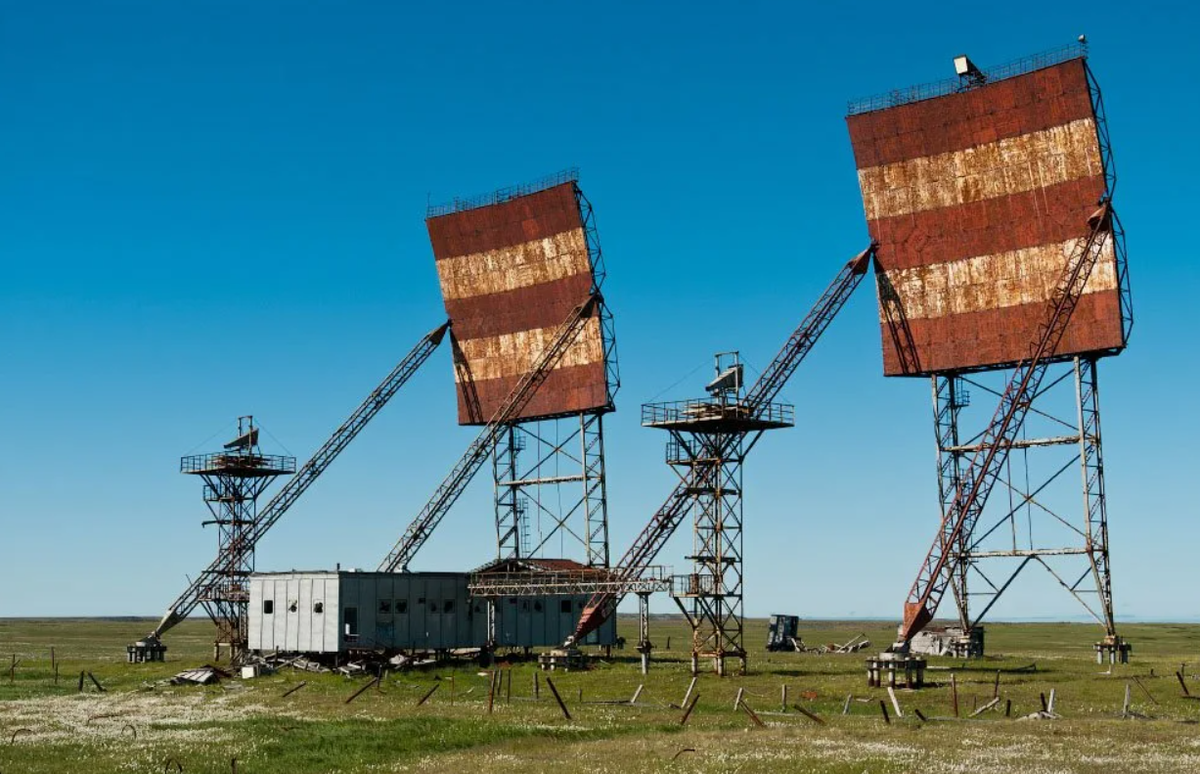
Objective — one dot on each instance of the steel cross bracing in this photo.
(573, 455)
(291, 491)
(1059, 543)
(712, 465)
(564, 583)
(976, 482)
(234, 479)
(668, 517)
(468, 465)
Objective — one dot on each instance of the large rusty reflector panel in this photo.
(977, 199)
(511, 272)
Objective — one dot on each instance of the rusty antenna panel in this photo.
(979, 190)
(975, 189)
(512, 265)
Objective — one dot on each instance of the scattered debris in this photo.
(757, 720)
(687, 712)
(951, 641)
(995, 702)
(561, 658)
(810, 715)
(425, 698)
(361, 691)
(205, 675)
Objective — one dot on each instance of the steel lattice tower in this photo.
(1019, 530)
(233, 481)
(706, 449)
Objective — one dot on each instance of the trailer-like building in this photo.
(326, 612)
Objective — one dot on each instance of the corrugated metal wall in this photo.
(408, 611)
(977, 199)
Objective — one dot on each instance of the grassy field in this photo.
(140, 725)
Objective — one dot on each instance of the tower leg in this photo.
(1095, 505)
(949, 398)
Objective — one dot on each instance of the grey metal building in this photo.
(334, 611)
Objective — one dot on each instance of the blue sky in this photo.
(212, 209)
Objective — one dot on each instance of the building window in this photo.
(565, 606)
(448, 606)
(401, 605)
(318, 607)
(537, 606)
(268, 606)
(385, 607)
(351, 622)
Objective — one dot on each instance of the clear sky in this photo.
(211, 209)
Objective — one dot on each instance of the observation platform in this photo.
(562, 577)
(240, 464)
(706, 415)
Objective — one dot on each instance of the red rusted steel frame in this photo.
(977, 481)
(468, 465)
(773, 379)
(291, 491)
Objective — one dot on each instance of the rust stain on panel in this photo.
(517, 310)
(577, 388)
(523, 219)
(1027, 219)
(1039, 100)
(1001, 336)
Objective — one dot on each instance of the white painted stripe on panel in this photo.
(1008, 166)
(512, 354)
(530, 263)
(995, 281)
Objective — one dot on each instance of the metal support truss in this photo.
(549, 483)
(527, 583)
(448, 492)
(754, 413)
(233, 481)
(1000, 434)
(949, 398)
(290, 492)
(1033, 525)
(711, 465)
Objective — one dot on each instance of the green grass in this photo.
(139, 724)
